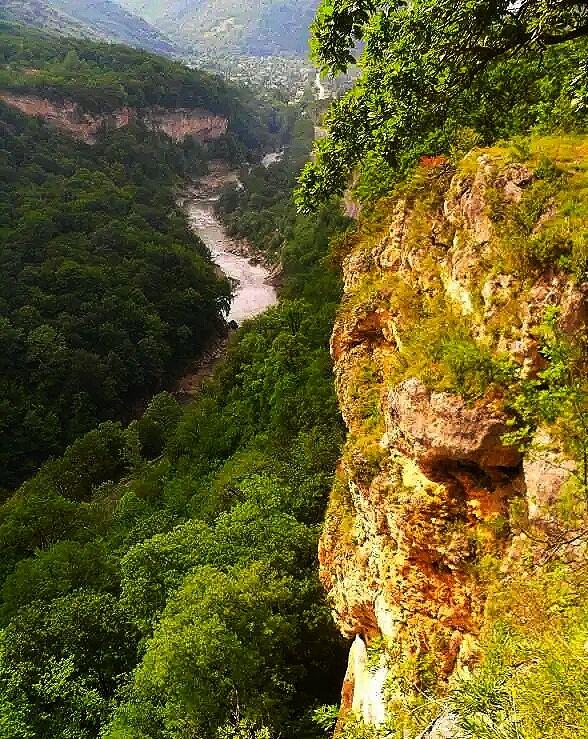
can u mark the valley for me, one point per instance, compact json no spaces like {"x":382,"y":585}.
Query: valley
{"x":251,"y":281}
{"x":260,"y":28}
{"x":294,"y":374}
{"x":253,"y":292}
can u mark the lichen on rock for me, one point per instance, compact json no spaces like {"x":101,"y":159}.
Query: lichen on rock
{"x":438,"y":326}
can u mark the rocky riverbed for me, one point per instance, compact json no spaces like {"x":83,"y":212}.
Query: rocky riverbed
{"x":252,"y":281}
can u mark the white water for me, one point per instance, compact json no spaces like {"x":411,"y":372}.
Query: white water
{"x":272,"y":158}
{"x":252,"y":293}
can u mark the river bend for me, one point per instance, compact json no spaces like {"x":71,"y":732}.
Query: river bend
{"x":252,"y":294}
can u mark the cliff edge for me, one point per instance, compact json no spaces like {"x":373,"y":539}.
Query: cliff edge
{"x":69,"y":116}
{"x":459,"y":353}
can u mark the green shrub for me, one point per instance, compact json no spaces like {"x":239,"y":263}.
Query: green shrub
{"x":533,"y":681}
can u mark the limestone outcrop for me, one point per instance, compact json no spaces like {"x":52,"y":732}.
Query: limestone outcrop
{"x":69,"y":116}
{"x":426,"y":482}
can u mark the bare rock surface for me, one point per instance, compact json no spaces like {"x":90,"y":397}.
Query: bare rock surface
{"x":435,"y":426}
{"x":443,"y":727}
{"x":69,"y":116}
{"x":425,"y":485}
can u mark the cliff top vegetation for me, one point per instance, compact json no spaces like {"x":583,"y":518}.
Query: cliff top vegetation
{"x":440,"y":77}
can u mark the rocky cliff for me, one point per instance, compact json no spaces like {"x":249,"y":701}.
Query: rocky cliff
{"x":447,"y":287}
{"x":69,"y":116}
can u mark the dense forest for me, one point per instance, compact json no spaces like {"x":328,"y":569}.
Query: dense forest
{"x":158,"y":576}
{"x":105,"y":292}
{"x":160,"y":579}
{"x":260,"y":210}
{"x":103,"y":77}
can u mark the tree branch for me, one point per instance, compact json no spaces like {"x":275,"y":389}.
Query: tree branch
{"x":553,"y":39}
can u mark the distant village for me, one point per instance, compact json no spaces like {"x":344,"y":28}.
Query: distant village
{"x":288,"y":78}
{"x":285,"y":77}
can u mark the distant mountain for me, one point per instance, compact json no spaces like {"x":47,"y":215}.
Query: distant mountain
{"x":95,"y":19}
{"x":249,"y":27}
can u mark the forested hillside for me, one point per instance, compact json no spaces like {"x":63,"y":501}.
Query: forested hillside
{"x":106,"y":77}
{"x":103,"y":20}
{"x":405,"y":431}
{"x":105,"y":293}
{"x":160,"y":580}
{"x":260,"y":209}
{"x":264,"y":27}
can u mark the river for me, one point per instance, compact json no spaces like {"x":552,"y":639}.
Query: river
{"x":252,"y":291}
{"x":252,"y":294}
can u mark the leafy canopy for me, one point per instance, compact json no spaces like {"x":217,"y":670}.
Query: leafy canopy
{"x":433,"y":67}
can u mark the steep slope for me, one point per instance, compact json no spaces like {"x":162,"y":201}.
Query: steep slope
{"x":458,"y":519}
{"x":85,"y":86}
{"x":159,"y":580}
{"x":70,"y":116}
{"x":105,"y":293}
{"x":98,"y":19}
{"x":262,"y":27}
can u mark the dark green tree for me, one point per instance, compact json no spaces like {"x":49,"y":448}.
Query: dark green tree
{"x":432,"y":67}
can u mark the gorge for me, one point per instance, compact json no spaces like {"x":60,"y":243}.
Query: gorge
{"x":252,"y":288}
{"x":253,"y":291}
{"x":364,"y":516}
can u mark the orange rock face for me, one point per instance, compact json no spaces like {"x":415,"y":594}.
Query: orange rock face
{"x":439,"y":430}
{"x":423,"y":490}
{"x":68,"y":116}
{"x":179,"y":124}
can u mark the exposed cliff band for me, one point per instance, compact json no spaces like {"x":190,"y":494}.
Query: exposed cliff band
{"x":445,"y":294}
{"x":69,"y":116}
